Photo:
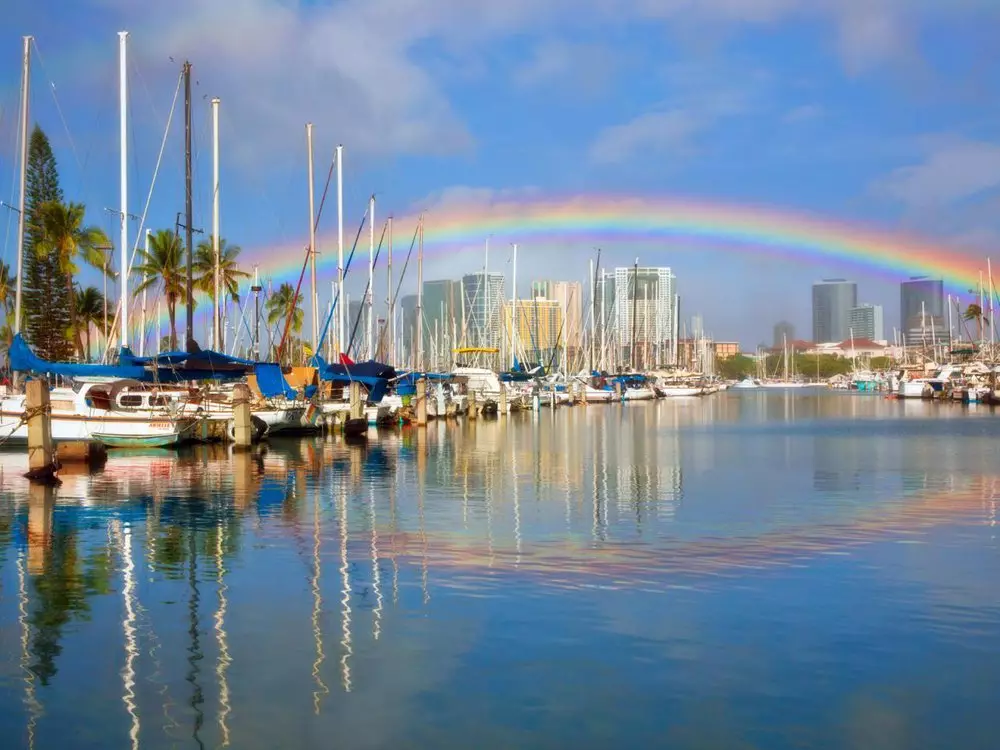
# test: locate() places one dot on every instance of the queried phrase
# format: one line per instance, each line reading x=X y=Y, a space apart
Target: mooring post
x=503 y=399
x=39 y=417
x=357 y=405
x=242 y=426
x=421 y=402
x=472 y=405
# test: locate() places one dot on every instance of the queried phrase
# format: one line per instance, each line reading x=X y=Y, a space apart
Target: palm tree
x=64 y=234
x=280 y=304
x=164 y=262
x=89 y=310
x=229 y=273
x=975 y=312
x=4 y=286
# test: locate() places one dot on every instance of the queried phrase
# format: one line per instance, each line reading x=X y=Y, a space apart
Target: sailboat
x=788 y=377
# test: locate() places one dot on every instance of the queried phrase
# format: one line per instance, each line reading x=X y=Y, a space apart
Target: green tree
x=229 y=273
x=975 y=312
x=281 y=304
x=737 y=367
x=46 y=313
x=66 y=238
x=89 y=311
x=164 y=263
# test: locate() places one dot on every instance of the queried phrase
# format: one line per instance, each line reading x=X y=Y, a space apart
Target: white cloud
x=651 y=134
x=952 y=169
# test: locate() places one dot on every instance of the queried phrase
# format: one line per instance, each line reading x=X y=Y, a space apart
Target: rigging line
x=361 y=310
x=402 y=276
x=149 y=197
x=62 y=117
x=336 y=300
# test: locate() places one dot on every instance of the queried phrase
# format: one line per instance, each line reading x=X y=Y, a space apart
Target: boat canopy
x=172 y=367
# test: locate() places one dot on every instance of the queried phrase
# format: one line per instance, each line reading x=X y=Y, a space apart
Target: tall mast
x=485 y=333
x=513 y=309
x=312 y=239
x=420 y=293
x=142 y=323
x=340 y=247
x=123 y=145
x=392 y=303
x=25 y=89
x=604 y=318
x=635 y=298
x=371 y=276
x=216 y=242
x=188 y=210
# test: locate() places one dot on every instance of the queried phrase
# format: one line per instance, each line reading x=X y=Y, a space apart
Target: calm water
x=755 y=570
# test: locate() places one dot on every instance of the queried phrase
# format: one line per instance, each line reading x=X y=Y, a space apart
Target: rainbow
x=584 y=222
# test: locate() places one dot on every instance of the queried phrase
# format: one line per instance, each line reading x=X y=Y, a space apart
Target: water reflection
x=204 y=574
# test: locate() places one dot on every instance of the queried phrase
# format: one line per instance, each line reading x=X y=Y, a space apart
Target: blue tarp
x=271 y=382
x=170 y=367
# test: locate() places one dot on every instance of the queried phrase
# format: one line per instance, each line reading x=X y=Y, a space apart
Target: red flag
x=345 y=360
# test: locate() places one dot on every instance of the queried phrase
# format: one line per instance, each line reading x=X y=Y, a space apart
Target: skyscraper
x=638 y=306
x=484 y=296
x=569 y=294
x=833 y=300
x=866 y=322
x=921 y=310
x=783 y=331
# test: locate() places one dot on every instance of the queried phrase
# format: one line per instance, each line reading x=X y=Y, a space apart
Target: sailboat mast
x=217 y=342
x=420 y=294
x=340 y=247
x=513 y=309
x=312 y=239
x=142 y=322
x=123 y=167
x=392 y=302
x=25 y=103
x=371 y=276
x=635 y=299
x=188 y=209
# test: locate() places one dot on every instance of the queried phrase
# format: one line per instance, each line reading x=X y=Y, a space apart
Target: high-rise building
x=921 y=310
x=569 y=294
x=484 y=298
x=407 y=330
x=833 y=300
x=866 y=322
x=783 y=331
x=638 y=307
x=442 y=320
x=540 y=328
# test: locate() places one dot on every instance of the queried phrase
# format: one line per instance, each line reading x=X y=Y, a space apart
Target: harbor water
x=757 y=569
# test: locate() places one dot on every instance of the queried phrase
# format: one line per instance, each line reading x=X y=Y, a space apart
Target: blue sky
x=878 y=111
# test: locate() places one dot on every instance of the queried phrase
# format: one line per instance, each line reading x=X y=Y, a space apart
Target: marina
x=502 y=577
x=499 y=377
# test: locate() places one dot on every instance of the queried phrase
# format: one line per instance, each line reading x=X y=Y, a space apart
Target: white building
x=638 y=316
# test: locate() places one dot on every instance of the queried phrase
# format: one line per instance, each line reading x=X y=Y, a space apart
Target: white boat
x=746 y=384
x=107 y=412
x=598 y=395
x=675 y=391
x=643 y=393
x=784 y=384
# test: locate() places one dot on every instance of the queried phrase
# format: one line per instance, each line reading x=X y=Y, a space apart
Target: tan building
x=539 y=327
x=726 y=349
x=569 y=294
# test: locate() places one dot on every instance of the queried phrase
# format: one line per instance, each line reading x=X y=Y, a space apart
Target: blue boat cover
x=271 y=382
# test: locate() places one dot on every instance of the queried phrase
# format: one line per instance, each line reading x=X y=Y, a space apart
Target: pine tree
x=46 y=312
